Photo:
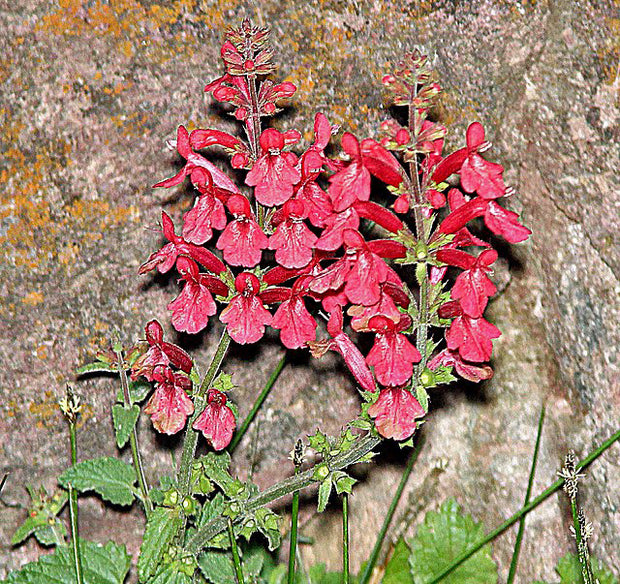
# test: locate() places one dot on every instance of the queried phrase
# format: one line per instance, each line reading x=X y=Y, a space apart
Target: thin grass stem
x=292 y=553
x=345 y=538
x=515 y=554
x=235 y=553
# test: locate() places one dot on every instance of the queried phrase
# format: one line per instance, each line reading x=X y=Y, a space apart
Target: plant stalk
x=515 y=554
x=73 y=505
x=345 y=538
x=363 y=446
x=524 y=510
x=190 y=442
x=257 y=404
x=235 y=553
x=376 y=550
x=292 y=552
x=133 y=441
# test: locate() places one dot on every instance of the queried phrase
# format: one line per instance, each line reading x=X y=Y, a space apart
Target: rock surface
x=90 y=93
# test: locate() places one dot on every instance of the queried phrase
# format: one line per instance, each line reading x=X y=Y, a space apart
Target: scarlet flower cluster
x=294 y=241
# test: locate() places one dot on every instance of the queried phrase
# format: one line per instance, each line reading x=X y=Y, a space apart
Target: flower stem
x=191 y=436
x=235 y=553
x=523 y=511
x=345 y=538
x=297 y=482
x=73 y=505
x=257 y=404
x=515 y=554
x=133 y=440
x=374 y=555
x=293 y=544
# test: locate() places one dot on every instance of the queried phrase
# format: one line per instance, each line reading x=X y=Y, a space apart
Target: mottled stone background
x=90 y=92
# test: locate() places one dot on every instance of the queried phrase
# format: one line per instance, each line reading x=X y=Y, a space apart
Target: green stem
x=257 y=404
x=184 y=474
x=133 y=441
x=515 y=554
x=345 y=538
x=73 y=507
x=235 y=553
x=297 y=482
x=524 y=510
x=374 y=555
x=293 y=546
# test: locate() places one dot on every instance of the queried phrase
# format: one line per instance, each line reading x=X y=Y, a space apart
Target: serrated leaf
x=224 y=382
x=170 y=575
x=343 y=482
x=569 y=570
x=216 y=468
x=422 y=397
x=443 y=375
x=324 y=492
x=107 y=564
x=442 y=537
x=125 y=419
x=319 y=442
x=161 y=528
x=269 y=525
x=110 y=478
x=27 y=528
x=211 y=509
x=48 y=535
x=138 y=390
x=397 y=570
x=346 y=440
x=217 y=567
x=96 y=367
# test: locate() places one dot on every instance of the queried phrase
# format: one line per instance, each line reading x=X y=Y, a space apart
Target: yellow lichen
x=33 y=298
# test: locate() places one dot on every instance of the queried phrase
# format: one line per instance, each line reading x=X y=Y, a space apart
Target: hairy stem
x=257 y=404
x=293 y=544
x=235 y=553
x=191 y=436
x=73 y=506
x=345 y=538
x=374 y=555
x=133 y=441
x=363 y=446
x=515 y=554
x=523 y=511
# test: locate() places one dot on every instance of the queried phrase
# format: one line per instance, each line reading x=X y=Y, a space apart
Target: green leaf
x=216 y=468
x=269 y=525
x=111 y=478
x=48 y=535
x=138 y=390
x=107 y=564
x=397 y=570
x=442 y=537
x=443 y=375
x=43 y=511
x=170 y=575
x=211 y=509
x=320 y=442
x=343 y=482
x=224 y=382
x=161 y=528
x=97 y=367
x=324 y=492
x=125 y=419
x=569 y=570
x=422 y=397
x=217 y=567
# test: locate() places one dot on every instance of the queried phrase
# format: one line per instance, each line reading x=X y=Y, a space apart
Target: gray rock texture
x=90 y=93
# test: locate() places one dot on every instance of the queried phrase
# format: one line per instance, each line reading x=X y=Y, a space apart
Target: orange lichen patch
x=45 y=411
x=41 y=352
x=33 y=298
x=36 y=231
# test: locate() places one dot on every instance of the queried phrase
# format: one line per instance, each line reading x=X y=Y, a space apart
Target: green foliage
x=42 y=520
x=217 y=566
x=444 y=536
x=107 y=564
x=138 y=390
x=162 y=526
x=170 y=575
x=215 y=467
x=325 y=490
x=569 y=570
x=125 y=419
x=398 y=570
x=110 y=478
x=224 y=382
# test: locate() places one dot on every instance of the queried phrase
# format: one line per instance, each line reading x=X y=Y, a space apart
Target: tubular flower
x=217 y=421
x=352 y=183
x=296 y=324
x=169 y=406
x=207 y=214
x=245 y=315
x=395 y=413
x=293 y=241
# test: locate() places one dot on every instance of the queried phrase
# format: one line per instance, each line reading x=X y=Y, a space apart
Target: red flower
x=166 y=257
x=341 y=343
x=316 y=200
x=192 y=308
x=274 y=173
x=207 y=214
x=243 y=240
x=293 y=241
x=471 y=336
x=472 y=287
x=352 y=183
x=467 y=371
x=296 y=324
x=395 y=413
x=217 y=421
x=195 y=161
x=159 y=353
x=391 y=294
x=334 y=226
x=246 y=316
x=392 y=355
x=169 y=405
